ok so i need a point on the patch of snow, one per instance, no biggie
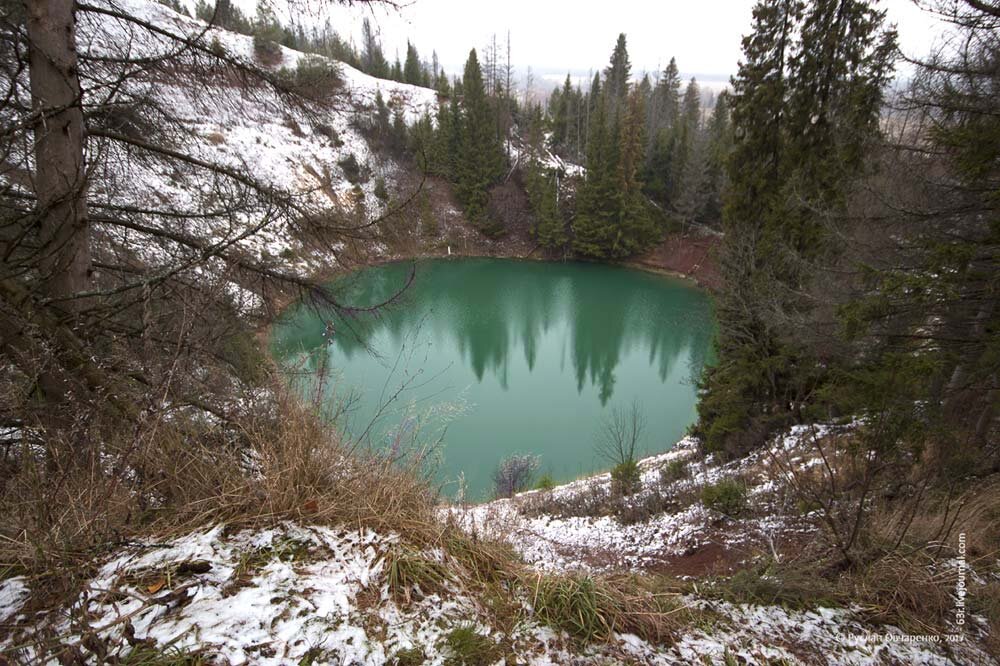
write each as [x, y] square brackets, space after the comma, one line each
[13, 593]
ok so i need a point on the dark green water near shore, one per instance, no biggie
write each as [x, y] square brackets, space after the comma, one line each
[501, 356]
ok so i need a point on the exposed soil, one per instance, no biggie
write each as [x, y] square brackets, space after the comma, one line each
[711, 558]
[691, 255]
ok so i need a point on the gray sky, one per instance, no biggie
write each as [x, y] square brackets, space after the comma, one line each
[704, 35]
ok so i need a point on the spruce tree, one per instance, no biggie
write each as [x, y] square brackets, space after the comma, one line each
[719, 144]
[634, 226]
[612, 217]
[685, 136]
[591, 223]
[805, 105]
[412, 73]
[480, 159]
[372, 59]
[561, 116]
[616, 78]
[745, 382]
[666, 102]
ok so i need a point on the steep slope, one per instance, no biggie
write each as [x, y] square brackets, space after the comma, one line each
[328, 159]
[339, 594]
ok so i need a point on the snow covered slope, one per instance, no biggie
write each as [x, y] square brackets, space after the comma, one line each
[247, 128]
[311, 594]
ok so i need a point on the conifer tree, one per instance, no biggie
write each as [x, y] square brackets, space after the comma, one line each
[612, 219]
[666, 102]
[372, 59]
[718, 146]
[744, 380]
[685, 136]
[562, 101]
[412, 72]
[480, 159]
[806, 102]
[634, 225]
[592, 224]
[693, 187]
[616, 78]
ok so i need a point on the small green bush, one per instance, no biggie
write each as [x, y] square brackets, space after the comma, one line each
[314, 78]
[625, 478]
[411, 575]
[770, 584]
[728, 497]
[266, 49]
[576, 605]
[674, 470]
[151, 655]
[381, 191]
[546, 482]
[353, 171]
[323, 129]
[413, 656]
[468, 647]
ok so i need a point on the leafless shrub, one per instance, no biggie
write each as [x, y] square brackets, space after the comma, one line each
[513, 474]
[618, 443]
[620, 434]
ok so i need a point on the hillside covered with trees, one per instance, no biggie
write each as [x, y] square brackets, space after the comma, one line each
[173, 176]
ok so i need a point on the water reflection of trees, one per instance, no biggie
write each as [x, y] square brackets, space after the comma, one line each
[486, 308]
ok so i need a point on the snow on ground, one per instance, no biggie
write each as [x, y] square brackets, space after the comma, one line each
[13, 593]
[542, 527]
[274, 596]
[312, 594]
[248, 129]
[318, 594]
[520, 154]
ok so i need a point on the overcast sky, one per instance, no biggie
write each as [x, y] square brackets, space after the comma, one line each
[704, 35]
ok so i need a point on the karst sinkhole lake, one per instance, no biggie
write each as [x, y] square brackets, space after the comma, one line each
[497, 357]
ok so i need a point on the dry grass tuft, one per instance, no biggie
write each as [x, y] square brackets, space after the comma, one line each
[593, 609]
[412, 575]
[175, 475]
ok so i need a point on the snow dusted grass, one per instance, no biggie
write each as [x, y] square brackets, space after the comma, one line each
[300, 593]
[777, 606]
[335, 592]
[330, 601]
[580, 525]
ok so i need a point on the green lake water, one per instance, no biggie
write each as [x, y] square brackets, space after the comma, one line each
[497, 357]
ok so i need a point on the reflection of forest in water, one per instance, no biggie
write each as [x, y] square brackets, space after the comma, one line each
[490, 308]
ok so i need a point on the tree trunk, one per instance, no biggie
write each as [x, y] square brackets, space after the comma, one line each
[63, 263]
[60, 178]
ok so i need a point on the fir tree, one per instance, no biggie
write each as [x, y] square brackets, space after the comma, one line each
[746, 377]
[693, 188]
[685, 136]
[372, 59]
[634, 227]
[612, 218]
[665, 106]
[563, 100]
